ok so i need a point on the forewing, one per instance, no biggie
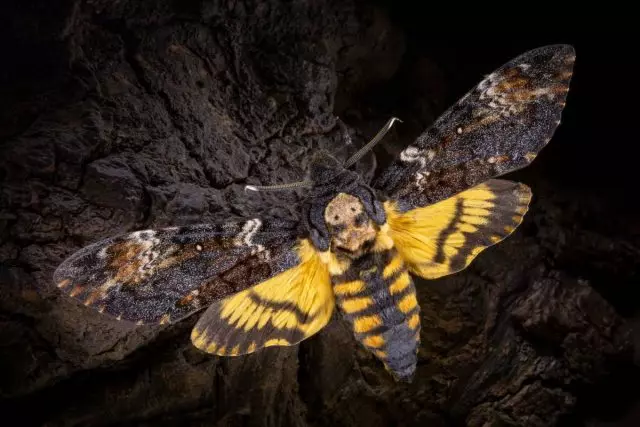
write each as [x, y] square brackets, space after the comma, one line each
[164, 275]
[497, 127]
[445, 237]
[280, 311]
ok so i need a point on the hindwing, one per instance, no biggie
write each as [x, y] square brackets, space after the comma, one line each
[280, 311]
[445, 237]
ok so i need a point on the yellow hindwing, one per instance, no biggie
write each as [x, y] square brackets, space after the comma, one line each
[445, 237]
[280, 311]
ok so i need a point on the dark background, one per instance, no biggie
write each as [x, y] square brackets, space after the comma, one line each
[104, 128]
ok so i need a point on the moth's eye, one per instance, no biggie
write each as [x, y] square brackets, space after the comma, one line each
[353, 209]
[336, 217]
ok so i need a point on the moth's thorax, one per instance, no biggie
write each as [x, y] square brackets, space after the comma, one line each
[351, 230]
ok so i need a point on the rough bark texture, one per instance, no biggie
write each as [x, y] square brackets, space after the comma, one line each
[123, 115]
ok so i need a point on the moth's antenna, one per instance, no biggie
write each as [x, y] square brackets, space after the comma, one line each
[381, 133]
[276, 187]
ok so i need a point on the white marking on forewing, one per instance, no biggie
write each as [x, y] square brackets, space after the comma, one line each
[421, 179]
[247, 234]
[102, 254]
[431, 154]
[410, 154]
[413, 154]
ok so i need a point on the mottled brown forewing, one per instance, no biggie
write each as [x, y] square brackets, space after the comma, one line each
[162, 276]
[499, 126]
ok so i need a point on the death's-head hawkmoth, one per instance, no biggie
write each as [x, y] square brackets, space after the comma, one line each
[274, 282]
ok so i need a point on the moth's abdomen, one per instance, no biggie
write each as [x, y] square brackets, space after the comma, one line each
[377, 297]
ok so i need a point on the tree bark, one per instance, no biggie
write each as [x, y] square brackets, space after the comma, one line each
[125, 115]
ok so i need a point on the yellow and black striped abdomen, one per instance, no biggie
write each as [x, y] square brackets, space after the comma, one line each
[377, 297]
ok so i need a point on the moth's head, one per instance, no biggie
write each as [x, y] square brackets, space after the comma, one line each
[344, 215]
[351, 231]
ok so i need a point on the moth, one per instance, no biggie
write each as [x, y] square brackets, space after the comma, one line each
[275, 282]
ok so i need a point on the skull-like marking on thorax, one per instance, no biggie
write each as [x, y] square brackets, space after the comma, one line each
[352, 231]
